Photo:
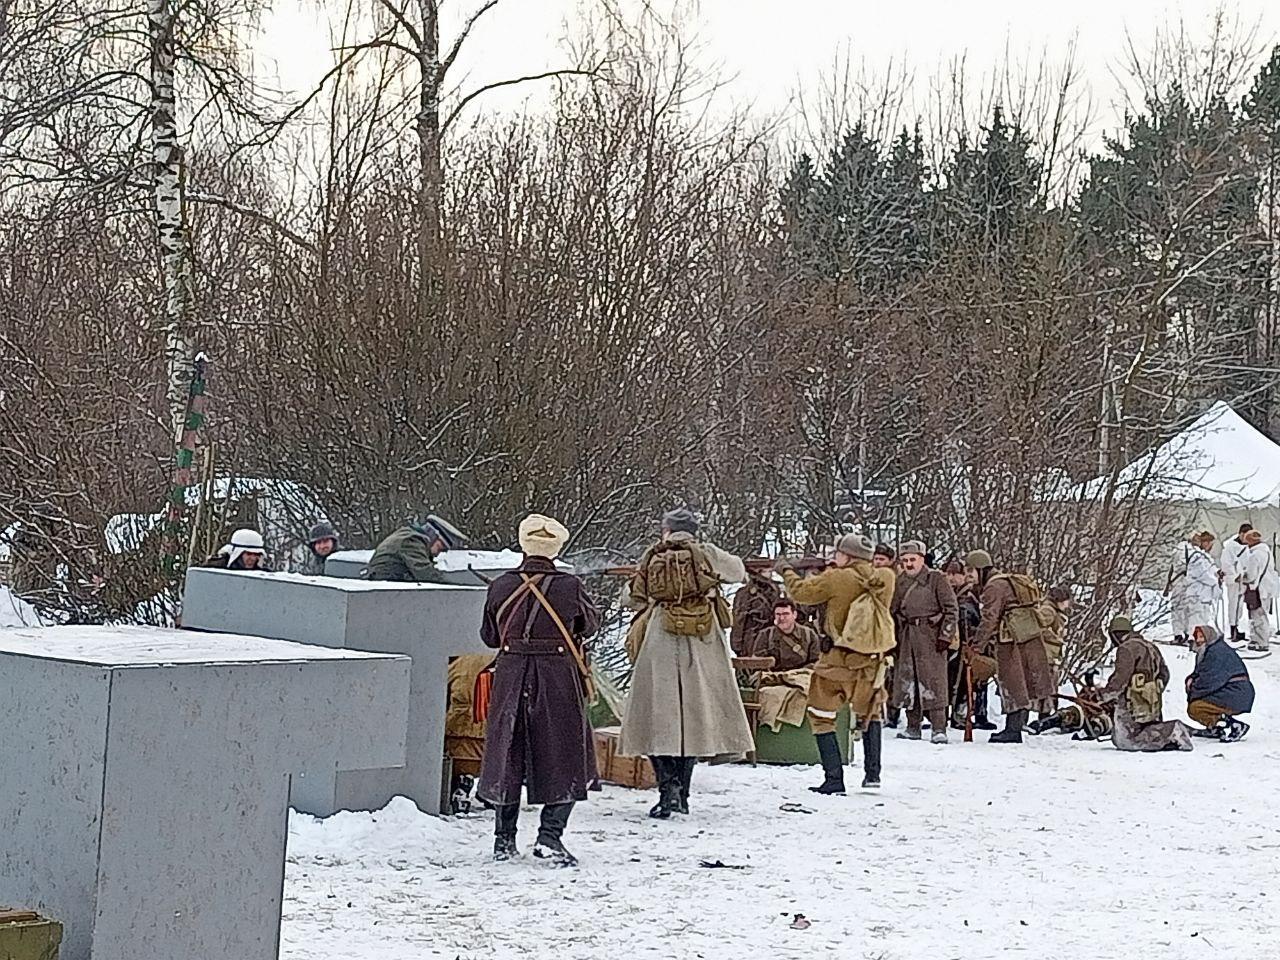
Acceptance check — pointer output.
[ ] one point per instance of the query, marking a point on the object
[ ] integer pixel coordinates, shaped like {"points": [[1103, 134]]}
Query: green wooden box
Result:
{"points": [[796, 744], [27, 939]]}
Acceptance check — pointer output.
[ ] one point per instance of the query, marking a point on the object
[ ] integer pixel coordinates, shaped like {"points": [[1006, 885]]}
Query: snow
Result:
{"points": [[134, 646], [456, 560], [16, 612], [1049, 849], [1220, 458]]}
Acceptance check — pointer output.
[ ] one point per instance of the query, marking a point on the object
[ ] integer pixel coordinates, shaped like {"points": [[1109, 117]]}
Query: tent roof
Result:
{"points": [[1220, 458]]}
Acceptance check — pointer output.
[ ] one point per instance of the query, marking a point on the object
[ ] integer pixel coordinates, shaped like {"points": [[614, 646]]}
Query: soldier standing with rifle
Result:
{"points": [[854, 663], [1011, 624], [684, 702]]}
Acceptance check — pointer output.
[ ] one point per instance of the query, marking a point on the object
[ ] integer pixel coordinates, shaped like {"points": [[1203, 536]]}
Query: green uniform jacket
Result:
{"points": [[406, 556]]}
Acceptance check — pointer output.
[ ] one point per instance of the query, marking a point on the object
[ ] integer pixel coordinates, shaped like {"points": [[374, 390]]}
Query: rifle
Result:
{"points": [[753, 565], [968, 717]]}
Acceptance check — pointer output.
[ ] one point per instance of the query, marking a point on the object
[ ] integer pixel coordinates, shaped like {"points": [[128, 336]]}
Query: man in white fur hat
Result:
{"points": [[537, 735]]}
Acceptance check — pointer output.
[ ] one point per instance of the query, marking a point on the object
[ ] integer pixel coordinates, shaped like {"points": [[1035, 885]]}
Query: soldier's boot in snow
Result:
{"points": [[832, 766], [1260, 646], [892, 721], [686, 782], [1051, 722], [555, 817], [1236, 730], [505, 819], [871, 757], [938, 722], [1012, 732], [915, 720], [980, 720], [1212, 733], [1236, 635], [667, 770]]}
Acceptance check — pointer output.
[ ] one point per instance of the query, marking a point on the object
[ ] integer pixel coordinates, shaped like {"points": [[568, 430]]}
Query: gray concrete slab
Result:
{"points": [[149, 810], [427, 622]]}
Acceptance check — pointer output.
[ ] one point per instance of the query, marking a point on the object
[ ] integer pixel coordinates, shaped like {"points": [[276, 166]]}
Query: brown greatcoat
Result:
{"points": [[1137, 655], [800, 648], [537, 733], [1022, 668], [752, 611], [924, 612]]}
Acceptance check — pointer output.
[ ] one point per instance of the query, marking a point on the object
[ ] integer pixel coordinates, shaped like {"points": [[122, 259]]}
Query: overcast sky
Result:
{"points": [[773, 48]]}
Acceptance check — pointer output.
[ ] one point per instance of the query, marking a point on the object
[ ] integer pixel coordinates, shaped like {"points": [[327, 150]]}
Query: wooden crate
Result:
{"points": [[26, 936], [615, 768]]}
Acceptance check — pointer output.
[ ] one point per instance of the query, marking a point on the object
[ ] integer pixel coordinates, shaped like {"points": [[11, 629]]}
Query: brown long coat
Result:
{"points": [[791, 651], [924, 611], [1022, 668], [537, 732]]}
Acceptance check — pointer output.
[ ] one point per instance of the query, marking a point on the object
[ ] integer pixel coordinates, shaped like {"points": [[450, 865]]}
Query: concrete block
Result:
{"points": [[145, 798], [427, 622]]}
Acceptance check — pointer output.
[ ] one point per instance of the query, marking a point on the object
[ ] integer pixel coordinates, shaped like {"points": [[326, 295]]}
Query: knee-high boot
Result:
{"points": [[832, 767], [871, 740]]}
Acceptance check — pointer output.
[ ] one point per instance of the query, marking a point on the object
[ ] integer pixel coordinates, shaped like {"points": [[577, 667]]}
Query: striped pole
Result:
{"points": [[172, 554]]}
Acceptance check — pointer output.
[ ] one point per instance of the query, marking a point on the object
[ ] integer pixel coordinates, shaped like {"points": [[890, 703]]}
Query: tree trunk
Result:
{"points": [[171, 216], [431, 171]]}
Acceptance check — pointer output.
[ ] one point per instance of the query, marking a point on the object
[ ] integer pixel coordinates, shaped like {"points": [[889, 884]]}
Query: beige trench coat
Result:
{"points": [[684, 699]]}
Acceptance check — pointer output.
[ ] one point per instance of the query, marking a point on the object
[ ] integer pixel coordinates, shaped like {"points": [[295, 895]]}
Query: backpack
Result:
{"points": [[678, 572], [681, 581], [1023, 619]]}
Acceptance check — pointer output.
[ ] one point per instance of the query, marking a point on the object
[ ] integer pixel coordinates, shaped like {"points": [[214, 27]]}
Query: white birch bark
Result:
{"points": [[171, 216]]}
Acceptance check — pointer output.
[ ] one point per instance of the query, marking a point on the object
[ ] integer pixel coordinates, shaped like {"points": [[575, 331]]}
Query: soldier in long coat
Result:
{"points": [[684, 704], [1023, 672], [537, 735], [924, 613]]}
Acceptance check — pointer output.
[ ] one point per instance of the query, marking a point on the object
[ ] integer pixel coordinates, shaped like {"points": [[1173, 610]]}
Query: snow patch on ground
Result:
{"points": [[1051, 849], [16, 612]]}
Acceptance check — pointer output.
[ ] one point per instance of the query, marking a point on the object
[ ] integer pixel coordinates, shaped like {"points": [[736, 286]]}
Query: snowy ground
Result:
{"points": [[1052, 849]]}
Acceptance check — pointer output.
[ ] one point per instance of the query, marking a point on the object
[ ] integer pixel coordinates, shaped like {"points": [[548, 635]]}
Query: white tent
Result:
{"points": [[1219, 459], [1215, 475]]}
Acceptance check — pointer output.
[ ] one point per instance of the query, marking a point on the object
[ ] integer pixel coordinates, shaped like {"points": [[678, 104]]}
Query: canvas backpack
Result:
{"points": [[1023, 619], [681, 581]]}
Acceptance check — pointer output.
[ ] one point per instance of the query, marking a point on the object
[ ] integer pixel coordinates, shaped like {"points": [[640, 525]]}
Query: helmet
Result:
{"points": [[322, 531], [1120, 624], [978, 560], [244, 540]]}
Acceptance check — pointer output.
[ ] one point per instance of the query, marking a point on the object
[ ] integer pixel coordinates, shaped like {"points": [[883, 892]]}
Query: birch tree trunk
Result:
{"points": [[171, 215], [431, 170]]}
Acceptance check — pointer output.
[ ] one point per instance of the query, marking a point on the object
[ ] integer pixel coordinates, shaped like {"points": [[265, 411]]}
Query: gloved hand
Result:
{"points": [[826, 644], [942, 644], [782, 564]]}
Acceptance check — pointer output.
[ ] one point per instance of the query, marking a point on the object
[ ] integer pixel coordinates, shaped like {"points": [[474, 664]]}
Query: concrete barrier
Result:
{"points": [[144, 794], [427, 622]]}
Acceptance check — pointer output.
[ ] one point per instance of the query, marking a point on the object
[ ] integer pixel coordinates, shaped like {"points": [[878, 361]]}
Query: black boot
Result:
{"points": [[668, 771], [1012, 732], [686, 781], [555, 817], [892, 721], [832, 767], [871, 757], [1045, 724], [505, 819], [980, 719]]}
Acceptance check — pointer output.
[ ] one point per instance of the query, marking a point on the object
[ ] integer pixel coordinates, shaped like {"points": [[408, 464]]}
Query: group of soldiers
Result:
{"points": [[890, 635], [1245, 568]]}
